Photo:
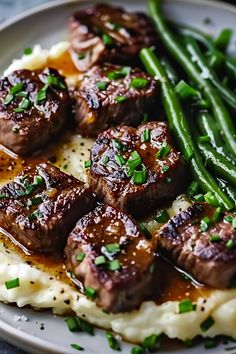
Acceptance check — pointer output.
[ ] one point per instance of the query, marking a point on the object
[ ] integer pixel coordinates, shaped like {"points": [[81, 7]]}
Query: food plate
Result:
{"points": [[41, 332]]}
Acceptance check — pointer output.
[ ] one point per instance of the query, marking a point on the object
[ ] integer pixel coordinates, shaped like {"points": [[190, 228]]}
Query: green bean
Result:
{"points": [[193, 48], [170, 71], [227, 188], [207, 126], [209, 44], [181, 131], [218, 163], [181, 55]]}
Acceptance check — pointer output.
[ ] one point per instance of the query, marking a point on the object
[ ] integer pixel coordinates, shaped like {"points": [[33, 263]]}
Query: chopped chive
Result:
{"points": [[22, 94], [186, 306], [13, 283], [8, 99], [104, 160], [230, 244], [145, 118], [165, 168], [119, 145], [81, 56], [145, 136], [210, 343], [188, 154], [91, 293], [139, 83], [112, 341], [77, 347], [38, 180], [193, 189], [113, 248], [54, 81], [36, 215], [146, 232], [206, 324], [185, 91], [100, 260], [85, 326], [204, 139], [119, 74], [120, 160], [217, 214], [133, 162], [205, 223], [107, 40], [42, 94], [87, 164], [164, 151], [114, 265], [34, 201], [80, 256], [28, 51], [152, 342], [199, 198], [72, 324], [140, 177], [121, 99], [223, 39], [2, 196], [234, 223], [162, 216], [16, 88], [211, 199], [188, 343], [102, 85], [24, 104], [228, 218], [137, 350], [215, 238]]}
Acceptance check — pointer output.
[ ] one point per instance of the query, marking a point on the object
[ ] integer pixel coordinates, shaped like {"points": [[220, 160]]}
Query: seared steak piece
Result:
{"points": [[41, 206], [111, 95], [203, 243], [34, 107], [106, 33], [136, 169], [108, 254]]}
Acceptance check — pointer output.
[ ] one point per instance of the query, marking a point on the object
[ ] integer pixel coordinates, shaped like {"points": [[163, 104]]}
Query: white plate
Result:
{"points": [[47, 25]]}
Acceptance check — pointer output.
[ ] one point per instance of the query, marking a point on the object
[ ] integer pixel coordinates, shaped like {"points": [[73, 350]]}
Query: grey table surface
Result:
{"points": [[9, 8]]}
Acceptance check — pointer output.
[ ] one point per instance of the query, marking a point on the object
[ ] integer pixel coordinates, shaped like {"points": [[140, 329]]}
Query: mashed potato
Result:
{"points": [[42, 290]]}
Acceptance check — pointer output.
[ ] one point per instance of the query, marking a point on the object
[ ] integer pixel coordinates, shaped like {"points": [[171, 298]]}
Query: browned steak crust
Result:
{"points": [[32, 110], [110, 95], [107, 252], [114, 154], [41, 206], [105, 33], [208, 253]]}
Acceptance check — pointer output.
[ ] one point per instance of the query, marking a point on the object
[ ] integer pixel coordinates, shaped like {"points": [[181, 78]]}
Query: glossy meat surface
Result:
{"points": [[123, 277], [41, 206]]}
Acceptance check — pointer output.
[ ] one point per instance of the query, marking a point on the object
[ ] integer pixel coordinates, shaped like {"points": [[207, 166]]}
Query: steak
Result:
{"points": [[106, 33], [112, 259], [202, 244], [34, 108], [110, 95], [41, 206], [136, 169]]}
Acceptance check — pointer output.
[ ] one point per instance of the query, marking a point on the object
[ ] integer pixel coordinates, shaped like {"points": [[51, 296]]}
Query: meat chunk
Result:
{"points": [[203, 243], [111, 95], [34, 108], [41, 206], [111, 257], [136, 169], [106, 33]]}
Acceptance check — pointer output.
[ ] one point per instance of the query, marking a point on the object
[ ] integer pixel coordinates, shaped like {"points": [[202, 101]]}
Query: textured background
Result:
{"points": [[9, 8]]}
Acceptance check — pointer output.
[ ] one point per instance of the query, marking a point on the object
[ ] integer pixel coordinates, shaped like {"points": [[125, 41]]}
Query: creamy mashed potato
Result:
{"points": [[42, 290]]}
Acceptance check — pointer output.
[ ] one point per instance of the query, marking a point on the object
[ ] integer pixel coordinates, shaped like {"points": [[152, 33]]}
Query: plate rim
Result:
{"points": [[5, 328], [57, 3]]}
